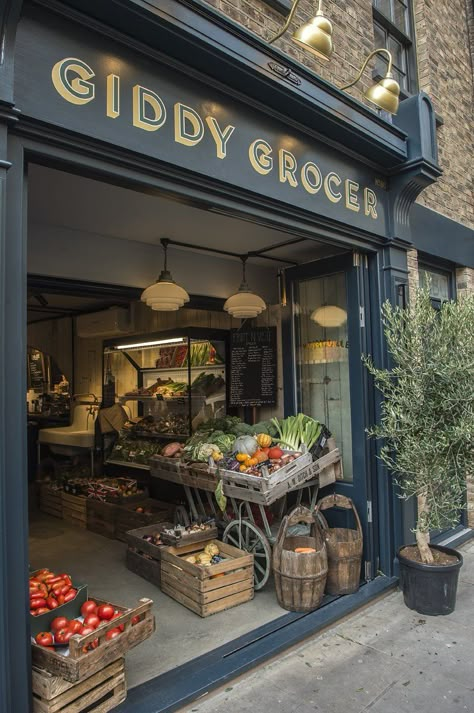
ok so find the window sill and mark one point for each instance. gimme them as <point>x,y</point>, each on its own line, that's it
<point>281,6</point>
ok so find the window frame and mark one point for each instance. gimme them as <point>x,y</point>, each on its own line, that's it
<point>408,42</point>
<point>446,270</point>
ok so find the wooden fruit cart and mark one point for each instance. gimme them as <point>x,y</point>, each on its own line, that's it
<point>249,494</point>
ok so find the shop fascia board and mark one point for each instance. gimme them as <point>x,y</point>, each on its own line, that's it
<point>238,59</point>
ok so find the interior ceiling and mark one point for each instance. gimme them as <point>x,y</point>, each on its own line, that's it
<point>42,305</point>
<point>65,200</point>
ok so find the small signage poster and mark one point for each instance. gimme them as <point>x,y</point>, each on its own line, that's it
<point>253,367</point>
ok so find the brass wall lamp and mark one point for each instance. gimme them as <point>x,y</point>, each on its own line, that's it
<point>315,35</point>
<point>386,93</point>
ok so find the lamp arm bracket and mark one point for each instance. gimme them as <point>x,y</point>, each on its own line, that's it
<point>380,50</point>
<point>289,19</point>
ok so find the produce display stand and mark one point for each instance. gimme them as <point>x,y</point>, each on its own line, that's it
<point>207,590</point>
<point>198,481</point>
<point>244,490</point>
<point>78,665</point>
<point>98,693</point>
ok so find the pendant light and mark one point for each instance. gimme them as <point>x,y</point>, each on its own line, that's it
<point>165,295</point>
<point>329,316</point>
<point>314,36</point>
<point>386,93</point>
<point>244,304</point>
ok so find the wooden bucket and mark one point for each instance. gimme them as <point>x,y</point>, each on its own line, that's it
<point>344,549</point>
<point>300,578</point>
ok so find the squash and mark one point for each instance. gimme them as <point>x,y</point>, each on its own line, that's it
<point>264,440</point>
<point>304,550</point>
<point>251,462</point>
<point>242,457</point>
<point>211,549</point>
<point>243,468</point>
<point>246,444</point>
<point>203,558</point>
<point>261,456</point>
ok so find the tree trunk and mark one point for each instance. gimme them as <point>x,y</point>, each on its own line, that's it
<point>422,532</point>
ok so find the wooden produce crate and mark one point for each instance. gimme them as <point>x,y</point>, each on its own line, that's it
<point>199,475</point>
<point>266,490</point>
<point>50,501</point>
<point>99,693</point>
<point>101,517</point>
<point>199,588</point>
<point>169,469</point>
<point>79,665</point>
<point>129,519</point>
<point>144,566</point>
<point>144,558</point>
<point>74,509</point>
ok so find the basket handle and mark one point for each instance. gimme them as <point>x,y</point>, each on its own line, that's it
<point>299,514</point>
<point>340,501</point>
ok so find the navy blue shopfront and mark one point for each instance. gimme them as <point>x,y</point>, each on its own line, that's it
<point>104,89</point>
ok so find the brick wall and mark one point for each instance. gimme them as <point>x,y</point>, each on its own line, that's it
<point>444,53</point>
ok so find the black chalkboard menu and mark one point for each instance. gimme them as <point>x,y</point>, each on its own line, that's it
<point>35,370</point>
<point>253,367</point>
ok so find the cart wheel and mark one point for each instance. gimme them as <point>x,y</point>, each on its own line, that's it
<point>247,536</point>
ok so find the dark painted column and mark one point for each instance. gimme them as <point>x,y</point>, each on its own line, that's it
<point>15,666</point>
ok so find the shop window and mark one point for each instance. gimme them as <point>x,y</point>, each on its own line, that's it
<point>441,285</point>
<point>323,358</point>
<point>393,29</point>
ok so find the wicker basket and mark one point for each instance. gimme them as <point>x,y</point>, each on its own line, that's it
<point>344,548</point>
<point>300,578</point>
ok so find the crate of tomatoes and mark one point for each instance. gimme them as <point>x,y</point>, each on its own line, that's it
<point>52,595</point>
<point>96,634</point>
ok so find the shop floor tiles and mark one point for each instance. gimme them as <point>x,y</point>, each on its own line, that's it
<point>180,634</point>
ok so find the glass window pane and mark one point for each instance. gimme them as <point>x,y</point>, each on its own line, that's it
<point>400,16</point>
<point>398,53</point>
<point>379,36</point>
<point>439,288</point>
<point>385,6</point>
<point>323,358</point>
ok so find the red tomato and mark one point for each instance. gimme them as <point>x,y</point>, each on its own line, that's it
<point>105,611</point>
<point>113,633</point>
<point>70,595</point>
<point>67,579</point>
<point>92,620</point>
<point>44,638</point>
<point>62,636</point>
<point>52,603</point>
<point>75,626</point>
<point>42,610</point>
<point>36,595</point>
<point>86,630</point>
<point>60,598</point>
<point>61,622</point>
<point>64,590</point>
<point>135,620</point>
<point>89,607</point>
<point>38,603</point>
<point>120,626</point>
<point>275,453</point>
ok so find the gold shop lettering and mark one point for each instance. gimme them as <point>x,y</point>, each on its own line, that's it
<point>72,79</point>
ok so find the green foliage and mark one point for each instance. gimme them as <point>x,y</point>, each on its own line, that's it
<point>427,417</point>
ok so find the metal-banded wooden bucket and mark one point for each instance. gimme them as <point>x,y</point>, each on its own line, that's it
<point>344,549</point>
<point>300,578</point>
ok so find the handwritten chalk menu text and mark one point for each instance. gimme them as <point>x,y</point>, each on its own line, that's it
<point>253,367</point>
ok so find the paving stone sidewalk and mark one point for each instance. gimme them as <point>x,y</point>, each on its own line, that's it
<point>386,659</point>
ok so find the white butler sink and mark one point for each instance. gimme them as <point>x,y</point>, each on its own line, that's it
<point>67,440</point>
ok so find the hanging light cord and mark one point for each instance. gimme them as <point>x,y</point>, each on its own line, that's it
<point>369,57</point>
<point>165,243</point>
<point>244,261</point>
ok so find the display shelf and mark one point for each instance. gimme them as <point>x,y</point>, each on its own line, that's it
<point>156,436</point>
<point>174,369</point>
<point>127,464</point>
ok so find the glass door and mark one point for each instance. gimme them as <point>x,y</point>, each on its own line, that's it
<point>326,327</point>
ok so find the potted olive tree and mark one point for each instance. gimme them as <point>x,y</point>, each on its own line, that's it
<point>427,427</point>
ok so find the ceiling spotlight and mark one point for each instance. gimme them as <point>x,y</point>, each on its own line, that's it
<point>244,304</point>
<point>386,93</point>
<point>165,295</point>
<point>314,36</point>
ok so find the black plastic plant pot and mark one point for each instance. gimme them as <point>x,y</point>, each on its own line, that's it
<point>430,589</point>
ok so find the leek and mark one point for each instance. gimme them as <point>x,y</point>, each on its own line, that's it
<point>295,431</point>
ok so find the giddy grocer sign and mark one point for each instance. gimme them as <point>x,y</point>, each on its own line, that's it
<point>107,92</point>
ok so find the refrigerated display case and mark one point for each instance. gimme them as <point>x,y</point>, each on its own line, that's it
<point>168,384</point>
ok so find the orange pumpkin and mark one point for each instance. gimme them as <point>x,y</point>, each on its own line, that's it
<point>260,456</point>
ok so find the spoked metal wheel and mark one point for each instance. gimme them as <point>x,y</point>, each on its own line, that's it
<point>247,536</point>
